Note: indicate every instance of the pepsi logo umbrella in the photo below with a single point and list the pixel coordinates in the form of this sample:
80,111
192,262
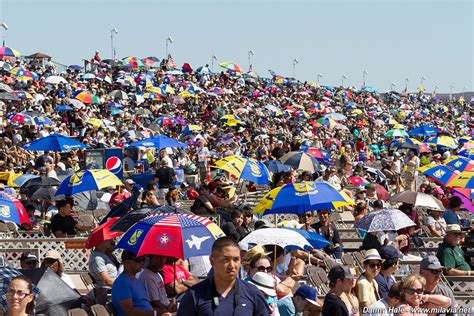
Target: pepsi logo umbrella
174,235
55,142
12,210
384,220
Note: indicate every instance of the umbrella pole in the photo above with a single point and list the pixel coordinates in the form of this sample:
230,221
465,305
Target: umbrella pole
275,246
174,278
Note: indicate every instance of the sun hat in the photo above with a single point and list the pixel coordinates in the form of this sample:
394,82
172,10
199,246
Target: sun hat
372,254
264,282
308,293
453,228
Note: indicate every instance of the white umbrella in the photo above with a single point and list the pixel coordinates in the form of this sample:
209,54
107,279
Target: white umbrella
384,220
77,104
55,80
418,199
274,236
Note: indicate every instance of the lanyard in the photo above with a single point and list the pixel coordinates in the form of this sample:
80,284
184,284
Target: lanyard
236,300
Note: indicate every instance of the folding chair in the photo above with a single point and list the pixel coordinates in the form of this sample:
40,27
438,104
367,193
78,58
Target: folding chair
99,310
77,312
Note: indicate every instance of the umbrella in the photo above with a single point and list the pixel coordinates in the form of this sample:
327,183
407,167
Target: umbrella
443,141
6,52
415,144
301,161
326,121
95,122
55,296
85,97
75,67
336,116
150,96
55,142
320,154
423,131
441,174
63,108
396,133
174,235
384,220
189,129
316,240
276,166
245,168
358,181
102,233
382,193
43,193
418,199
42,120
55,80
275,236
86,180
24,178
164,120
463,180
231,66
123,208
159,141
20,118
8,96
301,197
133,62
5,87
118,95
12,210
460,163
466,202
76,104
469,153
129,219
89,76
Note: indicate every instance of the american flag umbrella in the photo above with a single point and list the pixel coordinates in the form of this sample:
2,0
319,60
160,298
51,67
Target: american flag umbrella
171,234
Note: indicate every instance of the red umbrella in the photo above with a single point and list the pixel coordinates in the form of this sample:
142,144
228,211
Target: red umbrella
102,233
333,140
382,193
358,181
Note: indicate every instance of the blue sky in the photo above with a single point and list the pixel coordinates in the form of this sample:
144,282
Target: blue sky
391,40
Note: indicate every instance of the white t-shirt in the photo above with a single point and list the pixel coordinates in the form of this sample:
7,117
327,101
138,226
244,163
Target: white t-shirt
154,286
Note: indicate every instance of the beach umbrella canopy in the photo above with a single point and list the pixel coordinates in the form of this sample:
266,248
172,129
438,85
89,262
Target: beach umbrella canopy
55,80
320,154
76,104
21,118
276,166
159,141
85,97
357,181
118,95
24,178
418,199
55,142
441,174
12,210
384,220
336,116
463,180
231,66
245,168
189,129
415,144
460,163
443,141
8,53
396,133
469,153
282,237
86,180
301,197
133,62
174,235
301,161
326,121
423,131
102,233
164,120
63,108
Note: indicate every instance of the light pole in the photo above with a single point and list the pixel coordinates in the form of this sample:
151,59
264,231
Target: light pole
214,57
5,27
112,32
169,40
436,88
464,91
422,80
342,80
452,87
364,73
250,54
406,84
392,85
295,61
319,77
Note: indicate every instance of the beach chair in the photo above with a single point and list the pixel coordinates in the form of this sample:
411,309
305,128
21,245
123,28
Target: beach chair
99,310
77,312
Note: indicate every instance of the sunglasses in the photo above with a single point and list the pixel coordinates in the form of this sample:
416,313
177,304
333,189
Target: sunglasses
264,269
412,291
435,272
307,215
375,265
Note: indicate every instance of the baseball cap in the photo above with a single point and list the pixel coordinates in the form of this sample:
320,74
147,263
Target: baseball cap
52,254
431,263
129,181
370,186
264,282
340,272
390,252
128,255
455,201
28,257
263,223
308,293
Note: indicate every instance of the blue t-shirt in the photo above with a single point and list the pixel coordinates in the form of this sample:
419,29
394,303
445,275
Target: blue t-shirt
286,306
201,299
450,217
384,284
125,288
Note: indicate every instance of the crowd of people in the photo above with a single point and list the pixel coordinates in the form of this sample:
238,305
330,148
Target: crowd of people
221,115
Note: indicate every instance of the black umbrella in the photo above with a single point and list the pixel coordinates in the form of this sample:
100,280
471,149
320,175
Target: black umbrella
55,297
9,96
86,200
44,193
127,221
41,182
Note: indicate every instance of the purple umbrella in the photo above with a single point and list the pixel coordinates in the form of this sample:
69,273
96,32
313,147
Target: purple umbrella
466,203
176,100
180,120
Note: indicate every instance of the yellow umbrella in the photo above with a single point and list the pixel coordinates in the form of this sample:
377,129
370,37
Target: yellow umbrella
95,122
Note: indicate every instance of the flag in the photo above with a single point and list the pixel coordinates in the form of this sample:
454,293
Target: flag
171,63
433,94
405,92
421,88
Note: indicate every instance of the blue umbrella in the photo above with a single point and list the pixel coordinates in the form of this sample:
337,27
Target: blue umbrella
55,142
159,141
63,108
424,130
42,120
440,173
369,89
75,67
115,105
316,240
23,178
12,210
276,166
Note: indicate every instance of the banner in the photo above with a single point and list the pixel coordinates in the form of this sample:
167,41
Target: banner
113,161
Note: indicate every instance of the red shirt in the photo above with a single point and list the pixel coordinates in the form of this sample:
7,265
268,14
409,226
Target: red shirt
168,270
192,194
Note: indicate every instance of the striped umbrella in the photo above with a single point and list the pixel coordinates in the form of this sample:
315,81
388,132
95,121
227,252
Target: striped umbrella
231,66
8,53
320,154
443,141
440,174
133,62
301,161
85,97
460,163
463,180
396,133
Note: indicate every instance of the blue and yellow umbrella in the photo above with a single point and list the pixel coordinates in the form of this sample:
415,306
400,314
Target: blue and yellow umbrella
443,141
441,174
460,163
245,168
298,198
230,120
87,180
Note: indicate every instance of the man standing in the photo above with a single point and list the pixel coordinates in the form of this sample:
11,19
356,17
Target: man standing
451,255
431,269
340,281
129,295
203,159
224,293
165,177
